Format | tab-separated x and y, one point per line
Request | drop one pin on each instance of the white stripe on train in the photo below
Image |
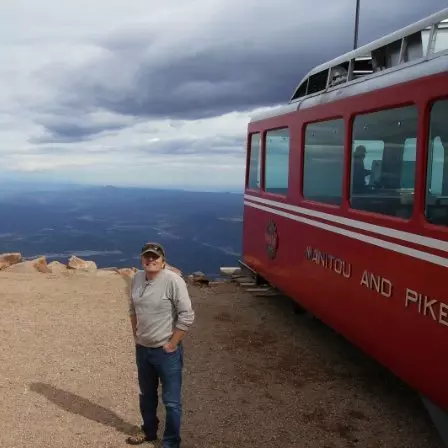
425	256
361	225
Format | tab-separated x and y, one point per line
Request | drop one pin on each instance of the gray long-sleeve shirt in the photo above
160	305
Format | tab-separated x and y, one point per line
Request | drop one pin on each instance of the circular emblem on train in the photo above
271	237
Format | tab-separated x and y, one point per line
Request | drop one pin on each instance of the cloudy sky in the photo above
143	92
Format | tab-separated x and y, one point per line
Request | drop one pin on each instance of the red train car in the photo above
346	201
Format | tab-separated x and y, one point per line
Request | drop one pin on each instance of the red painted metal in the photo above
409	343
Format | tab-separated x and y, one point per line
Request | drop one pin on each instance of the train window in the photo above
324	161
437	170
277	161
384	161
254	163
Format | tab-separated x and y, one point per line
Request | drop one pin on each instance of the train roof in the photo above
417	50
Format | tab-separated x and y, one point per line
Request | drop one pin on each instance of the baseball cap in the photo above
153	248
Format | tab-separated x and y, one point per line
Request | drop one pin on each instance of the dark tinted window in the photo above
324	161
277	161
254	162
383	161
437	174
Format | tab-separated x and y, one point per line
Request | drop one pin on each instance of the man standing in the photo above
161	313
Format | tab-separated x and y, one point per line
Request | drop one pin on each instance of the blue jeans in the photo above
154	364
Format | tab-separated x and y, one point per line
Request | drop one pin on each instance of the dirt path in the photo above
256	374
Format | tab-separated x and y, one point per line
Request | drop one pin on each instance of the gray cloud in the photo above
215	82
193	80
110	88
216	145
69	132
184	146
63	124
380	18
197	84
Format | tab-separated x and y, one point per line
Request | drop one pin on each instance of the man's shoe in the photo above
139	438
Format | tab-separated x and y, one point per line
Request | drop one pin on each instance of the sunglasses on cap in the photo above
152	248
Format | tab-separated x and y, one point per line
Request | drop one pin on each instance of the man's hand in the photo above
169	347
177	336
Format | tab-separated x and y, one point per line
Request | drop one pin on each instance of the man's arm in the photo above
134	325
177	336
184	311
131	310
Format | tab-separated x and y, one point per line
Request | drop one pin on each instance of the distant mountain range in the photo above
200	231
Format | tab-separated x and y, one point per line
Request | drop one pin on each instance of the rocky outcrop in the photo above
198	278
9	259
174	269
80	264
13	262
106	272
38	264
127	272
57	267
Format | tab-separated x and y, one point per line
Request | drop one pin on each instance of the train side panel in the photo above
384	294
381	300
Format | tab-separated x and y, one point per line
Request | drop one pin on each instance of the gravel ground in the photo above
255	373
